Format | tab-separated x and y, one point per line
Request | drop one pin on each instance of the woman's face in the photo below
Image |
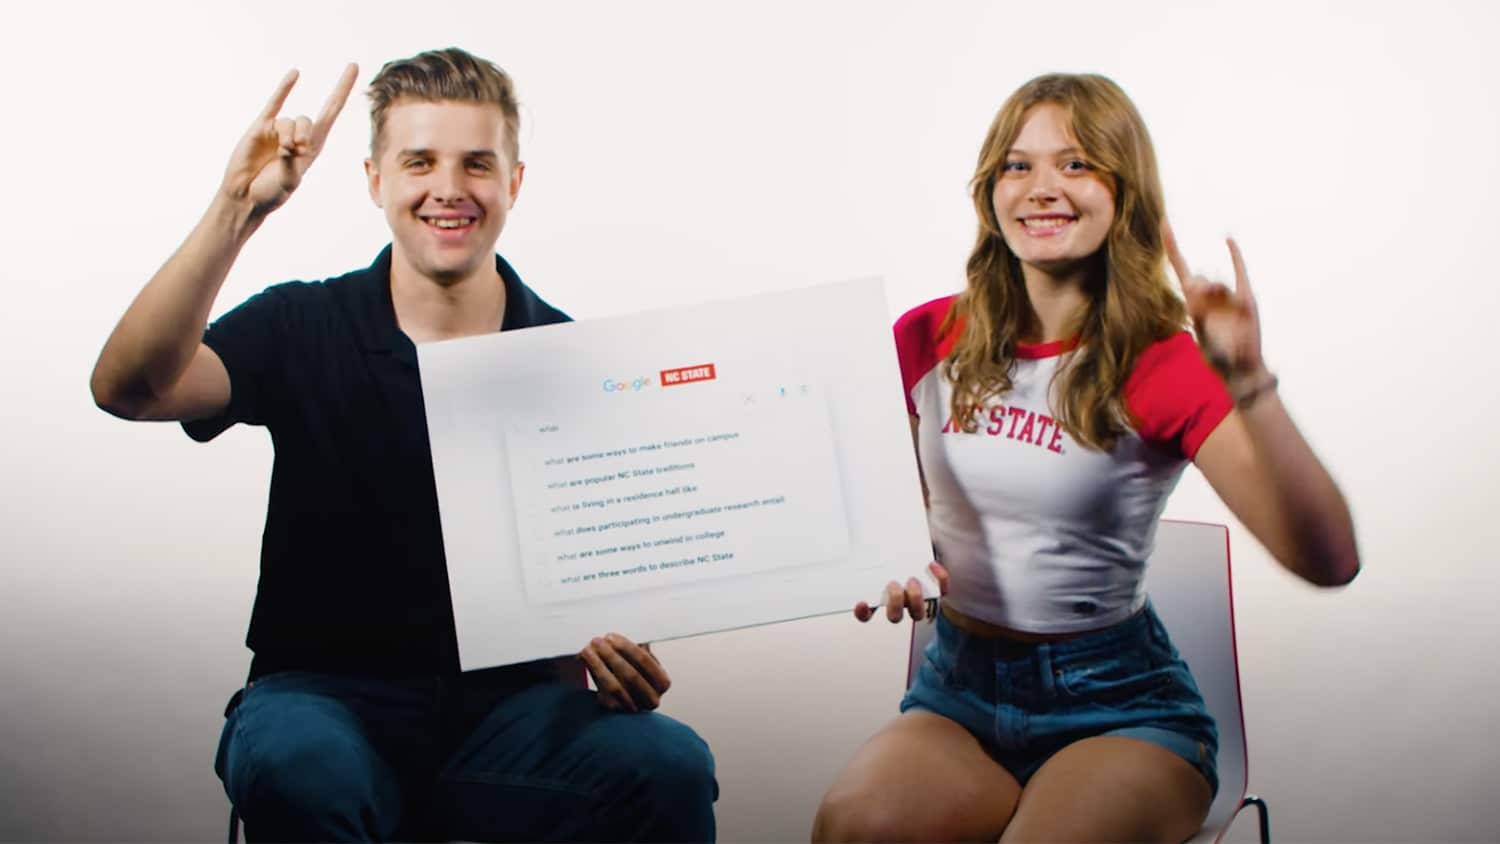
1054	208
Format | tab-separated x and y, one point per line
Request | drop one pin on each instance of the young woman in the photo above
1055	403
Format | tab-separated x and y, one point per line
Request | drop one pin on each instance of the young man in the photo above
356	722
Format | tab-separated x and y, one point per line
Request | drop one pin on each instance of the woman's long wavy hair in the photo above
1130	303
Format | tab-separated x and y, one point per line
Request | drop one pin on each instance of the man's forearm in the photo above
155	340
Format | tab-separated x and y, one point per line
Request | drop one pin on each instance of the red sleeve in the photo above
1174	396
918	346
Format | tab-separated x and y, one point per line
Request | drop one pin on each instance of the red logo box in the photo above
688	374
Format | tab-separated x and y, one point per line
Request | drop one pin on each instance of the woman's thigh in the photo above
921	778
1112	788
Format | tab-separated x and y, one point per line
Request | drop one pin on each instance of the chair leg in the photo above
1264	814
234	826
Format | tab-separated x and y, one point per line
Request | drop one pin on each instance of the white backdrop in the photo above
692	151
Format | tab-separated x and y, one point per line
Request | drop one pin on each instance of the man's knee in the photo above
662	776
669	758
317	771
291	781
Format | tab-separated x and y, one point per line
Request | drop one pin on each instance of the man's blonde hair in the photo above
439	75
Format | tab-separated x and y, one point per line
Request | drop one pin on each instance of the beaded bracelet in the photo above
1247	396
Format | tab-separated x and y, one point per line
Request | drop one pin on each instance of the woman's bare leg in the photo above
921	778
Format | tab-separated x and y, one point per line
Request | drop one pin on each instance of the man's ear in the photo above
372	177
516	175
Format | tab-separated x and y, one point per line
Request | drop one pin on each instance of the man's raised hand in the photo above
270	159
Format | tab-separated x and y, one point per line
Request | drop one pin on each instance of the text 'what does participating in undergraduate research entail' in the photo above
624	505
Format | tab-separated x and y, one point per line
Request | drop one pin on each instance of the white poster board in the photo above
672	473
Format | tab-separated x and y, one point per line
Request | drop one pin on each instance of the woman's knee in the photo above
849	813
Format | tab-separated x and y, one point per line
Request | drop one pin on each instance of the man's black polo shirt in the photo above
352	573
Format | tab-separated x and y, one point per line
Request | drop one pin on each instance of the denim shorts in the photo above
1025	702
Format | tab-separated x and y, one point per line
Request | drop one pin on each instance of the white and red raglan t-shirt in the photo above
1039	533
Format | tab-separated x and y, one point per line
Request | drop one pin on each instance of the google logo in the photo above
613	386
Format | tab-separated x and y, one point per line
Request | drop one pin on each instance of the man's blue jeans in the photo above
308	756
